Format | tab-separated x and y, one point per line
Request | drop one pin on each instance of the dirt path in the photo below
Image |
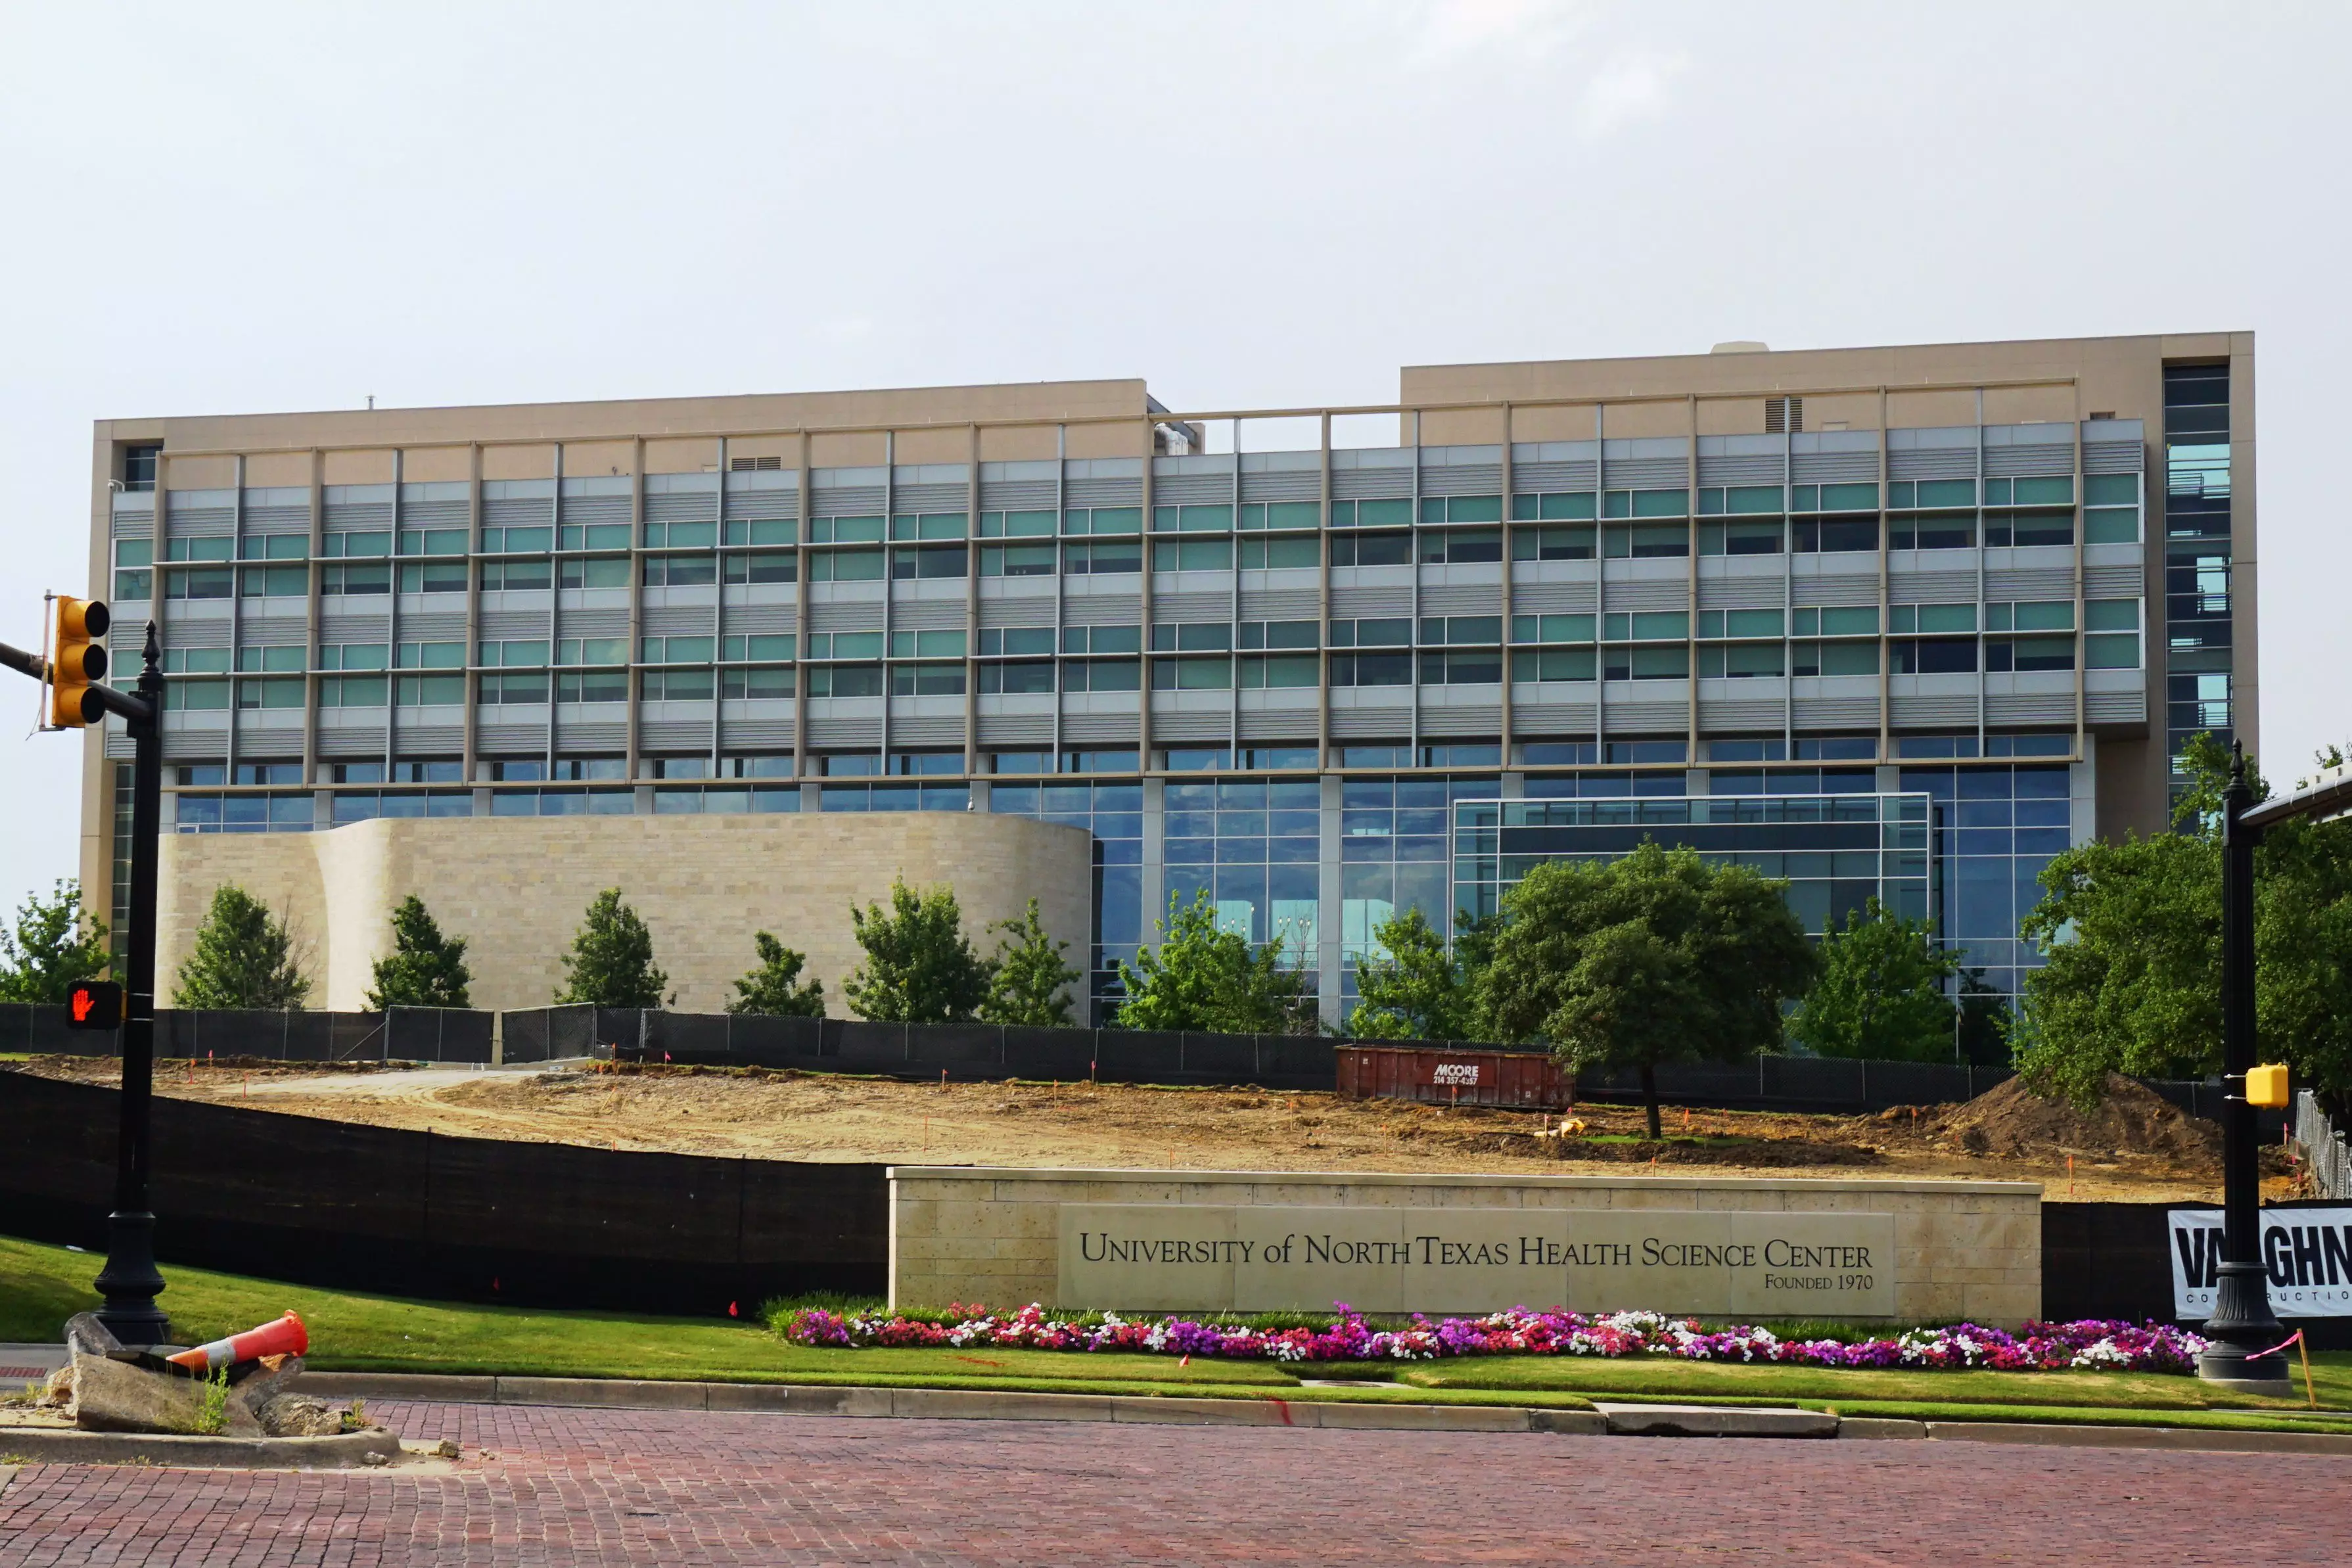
826	1117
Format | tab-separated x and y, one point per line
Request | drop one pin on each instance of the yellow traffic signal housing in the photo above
2267	1085
75	660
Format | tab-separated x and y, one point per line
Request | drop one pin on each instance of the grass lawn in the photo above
41	1285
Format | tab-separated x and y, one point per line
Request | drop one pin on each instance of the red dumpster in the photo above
1439	1075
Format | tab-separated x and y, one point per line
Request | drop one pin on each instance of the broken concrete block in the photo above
300	1416
115	1396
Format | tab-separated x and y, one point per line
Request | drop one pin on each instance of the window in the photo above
1737	661
1763	537
680	570
1955	656
275	547
355	656
1811	536
1453	549
593	536
132	559
1739	623
1195	637
1097	639
139	463
603	572
1620	540
432	578
1645	663
429	690
1012	560
1191	555
927	680
927	645
2026	529
1191	674
1288	549
1389	633
1553	664
756	683
676	685
759	648
354	691
2040	616
1079	559
518	576
1291	669
271	660
845	531
2111	628
2112	509
1462	509
430	656
503	689
1459	667
2055	491
613	686
1277	634
1102	675
846	566
763	530
1655	626
1016	678
1857	620
845	645
518	541
1932	492
1103	519
1551	543
594	651
1645	503
433	541
1474	630
196	696
846	680
773	566
1571	505
1740	500
214	548
937	561
1833	498
196	662
2029	654
269	694
669	651
1018	640
1017	525
1282	514
204	585
1932	618
1191	519
681	535
1931	532
1551	628
1372	550
1371	513
936	525
1372	669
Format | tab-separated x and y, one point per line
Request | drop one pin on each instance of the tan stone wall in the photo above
516	889
1963	1250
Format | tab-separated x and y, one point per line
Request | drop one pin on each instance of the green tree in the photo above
1028	982
611	963
1207	978
424	969
920	967
1880	994
243	957
1417	988
54	943
775	988
2132	934
1655	957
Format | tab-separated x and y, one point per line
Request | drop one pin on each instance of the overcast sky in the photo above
233	209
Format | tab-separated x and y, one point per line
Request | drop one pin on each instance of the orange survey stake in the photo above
282	1336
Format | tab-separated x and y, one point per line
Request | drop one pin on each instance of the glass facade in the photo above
1113	813
2198	662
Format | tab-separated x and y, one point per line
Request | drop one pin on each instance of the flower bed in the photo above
2090	1345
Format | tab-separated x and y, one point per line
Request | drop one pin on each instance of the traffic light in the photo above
75	661
94	1004
2267	1085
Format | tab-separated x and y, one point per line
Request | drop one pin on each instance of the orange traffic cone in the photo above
283	1336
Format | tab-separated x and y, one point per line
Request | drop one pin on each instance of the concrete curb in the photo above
1715	1421
344	1451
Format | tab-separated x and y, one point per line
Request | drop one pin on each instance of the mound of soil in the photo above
1731	1151
2132	1120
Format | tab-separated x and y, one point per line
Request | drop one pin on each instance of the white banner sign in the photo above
2308	1253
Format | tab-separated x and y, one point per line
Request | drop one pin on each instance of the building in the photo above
1978	593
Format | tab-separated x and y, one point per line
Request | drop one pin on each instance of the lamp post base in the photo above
130	1282
2256	1387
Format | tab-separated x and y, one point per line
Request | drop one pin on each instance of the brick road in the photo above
554	1486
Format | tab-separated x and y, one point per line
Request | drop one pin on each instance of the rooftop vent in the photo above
1741	346
754	465
1783	415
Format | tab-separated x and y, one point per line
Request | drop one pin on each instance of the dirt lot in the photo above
2134	1147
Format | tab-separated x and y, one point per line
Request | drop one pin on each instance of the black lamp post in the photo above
2242	1327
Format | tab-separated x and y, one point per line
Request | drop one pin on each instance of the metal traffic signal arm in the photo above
129	1281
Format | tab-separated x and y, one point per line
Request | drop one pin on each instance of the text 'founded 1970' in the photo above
1208	1258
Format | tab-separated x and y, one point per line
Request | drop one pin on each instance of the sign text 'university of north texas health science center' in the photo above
1203	1258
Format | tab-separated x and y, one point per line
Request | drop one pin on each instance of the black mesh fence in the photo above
337	1204
2114	1260
401	1034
